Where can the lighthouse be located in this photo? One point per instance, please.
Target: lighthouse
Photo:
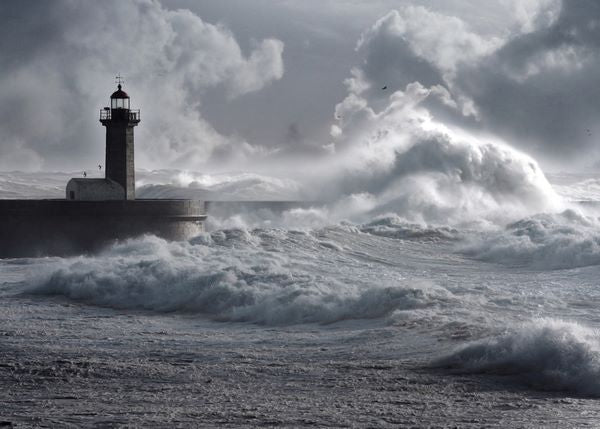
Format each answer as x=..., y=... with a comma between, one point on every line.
x=119, y=168
x=119, y=120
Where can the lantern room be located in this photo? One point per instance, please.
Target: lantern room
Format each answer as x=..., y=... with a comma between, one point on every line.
x=119, y=99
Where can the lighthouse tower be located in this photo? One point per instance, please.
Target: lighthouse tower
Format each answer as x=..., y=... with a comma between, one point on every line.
x=119, y=120
x=119, y=169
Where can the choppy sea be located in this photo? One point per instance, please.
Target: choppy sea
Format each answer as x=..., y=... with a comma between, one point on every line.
x=378, y=323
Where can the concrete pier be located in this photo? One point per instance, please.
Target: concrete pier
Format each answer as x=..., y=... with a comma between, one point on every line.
x=30, y=228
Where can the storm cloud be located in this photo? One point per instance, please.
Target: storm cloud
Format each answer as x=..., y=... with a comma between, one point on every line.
x=541, y=88
x=536, y=87
x=237, y=84
x=54, y=82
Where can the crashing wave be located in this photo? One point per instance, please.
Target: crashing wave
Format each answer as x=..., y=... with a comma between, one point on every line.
x=544, y=241
x=545, y=354
x=234, y=275
x=393, y=226
x=415, y=166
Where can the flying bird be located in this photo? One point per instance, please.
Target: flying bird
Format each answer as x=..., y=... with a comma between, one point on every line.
x=384, y=88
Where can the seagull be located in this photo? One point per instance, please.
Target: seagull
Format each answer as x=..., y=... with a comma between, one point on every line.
x=384, y=88
x=99, y=167
x=84, y=174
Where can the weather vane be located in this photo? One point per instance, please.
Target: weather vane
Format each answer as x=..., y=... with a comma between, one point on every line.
x=118, y=79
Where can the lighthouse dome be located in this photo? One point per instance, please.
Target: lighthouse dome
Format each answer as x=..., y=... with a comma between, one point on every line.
x=119, y=93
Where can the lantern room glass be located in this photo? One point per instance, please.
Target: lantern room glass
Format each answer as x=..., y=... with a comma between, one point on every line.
x=119, y=103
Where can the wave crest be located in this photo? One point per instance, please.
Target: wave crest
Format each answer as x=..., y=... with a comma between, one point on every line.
x=546, y=354
x=392, y=226
x=545, y=241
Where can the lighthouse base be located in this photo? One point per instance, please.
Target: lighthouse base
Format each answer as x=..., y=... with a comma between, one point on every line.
x=32, y=228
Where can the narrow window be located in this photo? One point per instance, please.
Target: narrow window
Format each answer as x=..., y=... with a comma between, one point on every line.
x=72, y=195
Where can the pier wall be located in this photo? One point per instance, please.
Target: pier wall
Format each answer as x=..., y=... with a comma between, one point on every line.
x=30, y=228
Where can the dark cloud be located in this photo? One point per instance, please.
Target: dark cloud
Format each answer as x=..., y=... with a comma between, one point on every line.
x=537, y=88
x=541, y=90
x=215, y=83
x=391, y=64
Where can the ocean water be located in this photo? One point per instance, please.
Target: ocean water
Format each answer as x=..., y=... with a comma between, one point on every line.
x=311, y=318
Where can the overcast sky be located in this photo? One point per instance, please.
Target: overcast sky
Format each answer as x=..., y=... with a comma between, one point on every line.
x=244, y=84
